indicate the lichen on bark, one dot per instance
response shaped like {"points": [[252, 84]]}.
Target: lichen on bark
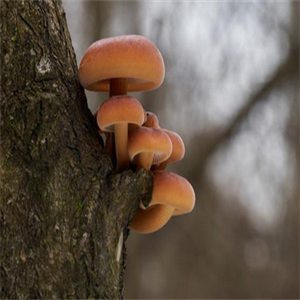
{"points": [[64, 211]]}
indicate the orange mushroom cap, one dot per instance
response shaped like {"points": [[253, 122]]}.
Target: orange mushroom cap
{"points": [[178, 146], [119, 109], [152, 219], [177, 152], [172, 195], [149, 140], [131, 56], [173, 190], [151, 120]]}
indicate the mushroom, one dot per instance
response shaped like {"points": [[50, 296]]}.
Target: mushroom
{"points": [[177, 152], [151, 120], [172, 195], [119, 65], [134, 126], [152, 219], [147, 146], [131, 62], [177, 143], [116, 113]]}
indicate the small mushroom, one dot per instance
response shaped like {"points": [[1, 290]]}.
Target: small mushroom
{"points": [[177, 152], [151, 120], [172, 195], [147, 146], [114, 115], [177, 143]]}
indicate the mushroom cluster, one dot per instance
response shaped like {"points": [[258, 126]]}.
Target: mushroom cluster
{"points": [[133, 137]]}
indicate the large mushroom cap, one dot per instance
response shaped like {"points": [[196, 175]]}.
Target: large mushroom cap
{"points": [[131, 56], [173, 190], [172, 195]]}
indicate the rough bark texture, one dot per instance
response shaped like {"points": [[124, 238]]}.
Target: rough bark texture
{"points": [[64, 213]]}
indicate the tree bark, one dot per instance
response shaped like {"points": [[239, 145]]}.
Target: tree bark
{"points": [[64, 212]]}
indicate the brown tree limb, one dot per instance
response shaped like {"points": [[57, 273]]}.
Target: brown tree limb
{"points": [[64, 212]]}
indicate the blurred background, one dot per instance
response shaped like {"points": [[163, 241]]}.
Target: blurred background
{"points": [[231, 92]]}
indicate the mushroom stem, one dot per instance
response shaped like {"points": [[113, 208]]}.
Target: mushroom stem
{"points": [[145, 160], [118, 86], [162, 166], [121, 141]]}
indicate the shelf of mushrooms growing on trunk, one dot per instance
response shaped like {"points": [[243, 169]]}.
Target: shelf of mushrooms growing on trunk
{"points": [[230, 92]]}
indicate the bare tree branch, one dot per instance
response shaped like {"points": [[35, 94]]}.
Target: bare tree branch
{"points": [[287, 72]]}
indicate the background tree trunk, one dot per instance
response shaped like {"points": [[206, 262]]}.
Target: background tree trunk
{"points": [[64, 213]]}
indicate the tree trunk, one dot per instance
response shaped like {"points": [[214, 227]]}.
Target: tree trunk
{"points": [[64, 212]]}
